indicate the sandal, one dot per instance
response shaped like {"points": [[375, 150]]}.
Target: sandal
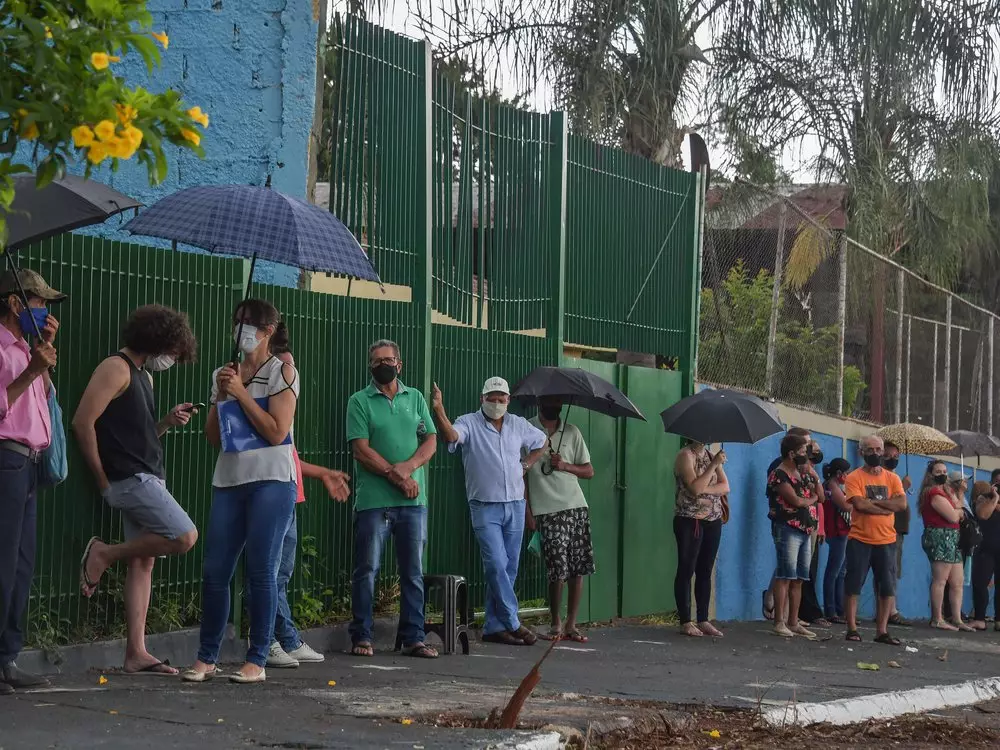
{"points": [[576, 636], [420, 651], [529, 638], [89, 587], [837, 620], [503, 637], [853, 635], [767, 611], [552, 635], [887, 639], [362, 648], [194, 675]]}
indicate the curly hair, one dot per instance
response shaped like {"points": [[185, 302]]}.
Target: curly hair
{"points": [[156, 329]]}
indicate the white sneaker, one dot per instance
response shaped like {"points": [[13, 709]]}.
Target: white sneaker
{"points": [[306, 655], [278, 659]]}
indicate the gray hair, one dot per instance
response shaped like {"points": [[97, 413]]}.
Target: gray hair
{"points": [[381, 344], [872, 441]]}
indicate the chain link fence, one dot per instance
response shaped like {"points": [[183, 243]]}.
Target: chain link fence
{"points": [[794, 310]]}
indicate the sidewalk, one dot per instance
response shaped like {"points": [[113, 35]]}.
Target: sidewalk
{"points": [[371, 697]]}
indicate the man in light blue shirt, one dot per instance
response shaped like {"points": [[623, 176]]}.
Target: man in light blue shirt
{"points": [[497, 450]]}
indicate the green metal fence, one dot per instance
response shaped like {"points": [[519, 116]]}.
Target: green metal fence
{"points": [[511, 234]]}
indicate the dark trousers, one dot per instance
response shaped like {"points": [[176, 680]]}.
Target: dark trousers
{"points": [[985, 566], [697, 547], [18, 477], [809, 608]]}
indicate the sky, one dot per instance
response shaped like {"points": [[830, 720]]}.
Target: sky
{"points": [[397, 17]]}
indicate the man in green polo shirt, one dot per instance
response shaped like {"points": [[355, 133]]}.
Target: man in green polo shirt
{"points": [[556, 505], [392, 436]]}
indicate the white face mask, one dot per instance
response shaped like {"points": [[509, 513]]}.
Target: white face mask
{"points": [[160, 362], [494, 410], [248, 339]]}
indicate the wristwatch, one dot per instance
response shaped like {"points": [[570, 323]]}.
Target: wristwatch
{"points": [[524, 466]]}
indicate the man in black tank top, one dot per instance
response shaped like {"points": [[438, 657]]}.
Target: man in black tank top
{"points": [[119, 435]]}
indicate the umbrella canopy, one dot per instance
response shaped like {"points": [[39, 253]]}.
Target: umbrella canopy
{"points": [[722, 416], [254, 222], [577, 388], [970, 443], [916, 438], [61, 206]]}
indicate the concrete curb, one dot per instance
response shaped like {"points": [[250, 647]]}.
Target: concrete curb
{"points": [[180, 648], [524, 741], [884, 705]]}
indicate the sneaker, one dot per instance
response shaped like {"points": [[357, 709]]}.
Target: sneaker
{"points": [[20, 680], [278, 659], [304, 654]]}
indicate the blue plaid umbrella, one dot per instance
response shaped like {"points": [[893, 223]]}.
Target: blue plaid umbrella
{"points": [[256, 222]]}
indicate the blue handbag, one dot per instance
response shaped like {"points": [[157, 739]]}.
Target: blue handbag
{"points": [[54, 467], [237, 432]]}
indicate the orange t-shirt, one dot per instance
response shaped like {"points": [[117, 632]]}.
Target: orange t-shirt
{"points": [[865, 527], [300, 493]]}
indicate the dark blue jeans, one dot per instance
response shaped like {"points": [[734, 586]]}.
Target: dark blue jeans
{"points": [[833, 576], [18, 477], [254, 516], [408, 526], [285, 632]]}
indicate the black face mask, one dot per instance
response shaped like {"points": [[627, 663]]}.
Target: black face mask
{"points": [[816, 458], [384, 374], [873, 460], [800, 460], [890, 463], [940, 478], [550, 413]]}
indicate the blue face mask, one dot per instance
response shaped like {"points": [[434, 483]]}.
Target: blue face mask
{"points": [[40, 314]]}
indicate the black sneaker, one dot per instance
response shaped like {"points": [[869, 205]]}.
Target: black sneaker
{"points": [[21, 680], [898, 620]]}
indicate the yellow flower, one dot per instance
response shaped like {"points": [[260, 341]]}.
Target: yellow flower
{"points": [[83, 136], [48, 33], [121, 148], [105, 130], [198, 116], [101, 60], [714, 734], [22, 113], [161, 37], [30, 133], [126, 113], [97, 153], [191, 136], [133, 135], [102, 680]]}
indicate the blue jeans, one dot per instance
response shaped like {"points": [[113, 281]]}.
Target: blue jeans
{"points": [[833, 576], [255, 516], [499, 528], [285, 632], [18, 511], [408, 526]]}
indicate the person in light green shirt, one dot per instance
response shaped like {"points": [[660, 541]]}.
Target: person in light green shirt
{"points": [[557, 507], [392, 437]]}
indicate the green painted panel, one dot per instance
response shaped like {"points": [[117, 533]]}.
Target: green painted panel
{"points": [[649, 559], [600, 433]]}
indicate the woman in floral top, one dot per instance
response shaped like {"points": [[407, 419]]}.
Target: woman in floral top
{"points": [[795, 493]]}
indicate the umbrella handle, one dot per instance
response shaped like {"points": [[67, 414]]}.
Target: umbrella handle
{"points": [[246, 295]]}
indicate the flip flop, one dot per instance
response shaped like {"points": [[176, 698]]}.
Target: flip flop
{"points": [[420, 651], [362, 648], [89, 587], [576, 636], [151, 670], [552, 635], [888, 640], [768, 612]]}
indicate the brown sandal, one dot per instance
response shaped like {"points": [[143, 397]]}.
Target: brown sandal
{"points": [[503, 637], [420, 651], [529, 638], [362, 648]]}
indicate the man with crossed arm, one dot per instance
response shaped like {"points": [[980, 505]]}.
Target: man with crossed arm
{"points": [[876, 495]]}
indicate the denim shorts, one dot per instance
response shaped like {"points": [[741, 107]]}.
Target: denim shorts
{"points": [[794, 549]]}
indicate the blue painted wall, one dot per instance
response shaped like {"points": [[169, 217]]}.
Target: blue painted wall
{"points": [[251, 65], [746, 557]]}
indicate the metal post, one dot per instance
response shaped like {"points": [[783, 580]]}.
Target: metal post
{"points": [[772, 334], [909, 363], [958, 384], [424, 282], [556, 323], [989, 382], [841, 321], [900, 304], [947, 366], [696, 281], [934, 414]]}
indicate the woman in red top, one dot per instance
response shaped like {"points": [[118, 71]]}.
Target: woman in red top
{"points": [[941, 503], [837, 519]]}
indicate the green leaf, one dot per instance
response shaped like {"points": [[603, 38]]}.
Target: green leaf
{"points": [[48, 170]]}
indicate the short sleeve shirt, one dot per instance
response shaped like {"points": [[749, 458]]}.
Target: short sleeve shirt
{"points": [[559, 490], [275, 463], [492, 458], [867, 527], [804, 486], [394, 428]]}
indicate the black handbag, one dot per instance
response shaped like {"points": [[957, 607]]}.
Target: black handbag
{"points": [[970, 536]]}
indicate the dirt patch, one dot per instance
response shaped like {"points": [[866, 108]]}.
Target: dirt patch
{"points": [[651, 726]]}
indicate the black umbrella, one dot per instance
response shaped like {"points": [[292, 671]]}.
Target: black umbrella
{"points": [[61, 206], [968, 443], [722, 416], [577, 388]]}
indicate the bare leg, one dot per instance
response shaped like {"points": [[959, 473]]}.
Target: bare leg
{"points": [[794, 601], [103, 556], [883, 610], [939, 579], [851, 610], [555, 606], [956, 581], [138, 583], [573, 605], [781, 607]]}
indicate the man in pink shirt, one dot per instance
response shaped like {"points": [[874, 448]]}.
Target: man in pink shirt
{"points": [[25, 431]]}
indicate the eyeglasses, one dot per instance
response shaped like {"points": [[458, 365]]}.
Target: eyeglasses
{"points": [[391, 361]]}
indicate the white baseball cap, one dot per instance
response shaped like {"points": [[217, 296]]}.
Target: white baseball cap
{"points": [[496, 385]]}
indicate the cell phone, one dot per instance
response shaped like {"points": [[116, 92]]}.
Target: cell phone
{"points": [[199, 407]]}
